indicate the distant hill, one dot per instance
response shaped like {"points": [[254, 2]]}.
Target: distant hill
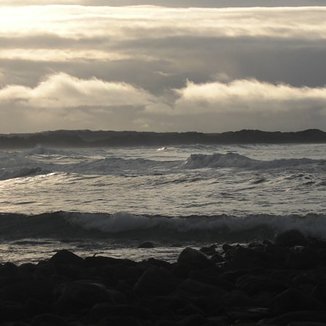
{"points": [[87, 138]]}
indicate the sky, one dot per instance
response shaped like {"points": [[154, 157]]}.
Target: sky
{"points": [[154, 65]]}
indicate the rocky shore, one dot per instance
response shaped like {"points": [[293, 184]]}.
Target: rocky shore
{"points": [[280, 282]]}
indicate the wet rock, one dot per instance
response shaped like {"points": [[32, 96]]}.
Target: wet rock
{"points": [[217, 258], [146, 245], [300, 257], [209, 251], [22, 290], [240, 257], [26, 271], [44, 271], [126, 271], [80, 295], [237, 298], [156, 281], [105, 310], [294, 300], [193, 320], [48, 320], [192, 259], [211, 276], [290, 238], [11, 311], [249, 315], [319, 292], [66, 257], [101, 261], [296, 316], [198, 288], [253, 284], [306, 323], [120, 321], [8, 273], [35, 307]]}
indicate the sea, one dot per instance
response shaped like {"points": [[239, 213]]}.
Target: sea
{"points": [[108, 201]]}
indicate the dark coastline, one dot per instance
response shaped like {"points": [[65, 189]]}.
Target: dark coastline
{"points": [[87, 138], [281, 282]]}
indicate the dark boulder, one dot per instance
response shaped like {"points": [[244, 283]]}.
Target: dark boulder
{"points": [[294, 300], [191, 259], [66, 257], [290, 238], [240, 257], [193, 287], [120, 321], [300, 257], [101, 261], [210, 250], [306, 323], [156, 281], [48, 320], [106, 310], [193, 320], [78, 295], [211, 276], [289, 318], [23, 290], [253, 284], [11, 311]]}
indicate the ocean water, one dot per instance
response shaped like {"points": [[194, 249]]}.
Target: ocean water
{"points": [[108, 200]]}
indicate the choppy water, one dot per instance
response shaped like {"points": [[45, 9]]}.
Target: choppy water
{"points": [[112, 199]]}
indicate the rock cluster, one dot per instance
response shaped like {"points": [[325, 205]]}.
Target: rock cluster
{"points": [[264, 283]]}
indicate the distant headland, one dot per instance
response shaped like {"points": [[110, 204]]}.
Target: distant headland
{"points": [[88, 138]]}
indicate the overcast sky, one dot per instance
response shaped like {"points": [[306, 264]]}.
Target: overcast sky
{"points": [[204, 65]]}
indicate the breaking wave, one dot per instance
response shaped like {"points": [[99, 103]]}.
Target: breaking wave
{"points": [[6, 174], [218, 228], [217, 160]]}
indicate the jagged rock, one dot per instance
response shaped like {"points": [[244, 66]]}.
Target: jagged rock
{"points": [[66, 257], [209, 251], [290, 238], [8, 270], [156, 281], [217, 258], [101, 261]]}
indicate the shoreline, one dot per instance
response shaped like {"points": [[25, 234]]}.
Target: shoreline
{"points": [[279, 282]]}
